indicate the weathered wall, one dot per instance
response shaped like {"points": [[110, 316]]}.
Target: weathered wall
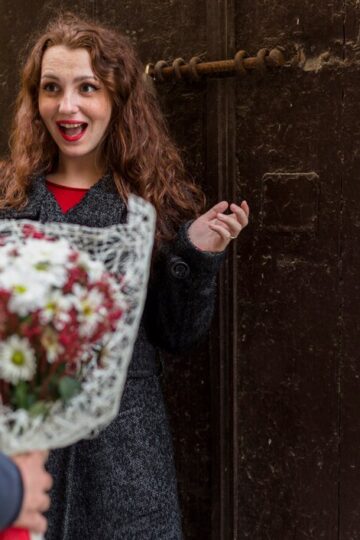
{"points": [[298, 385], [349, 322]]}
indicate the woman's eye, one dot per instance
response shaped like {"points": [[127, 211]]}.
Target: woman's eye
{"points": [[88, 88], [50, 87]]}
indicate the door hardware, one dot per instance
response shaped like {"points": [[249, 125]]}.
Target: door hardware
{"points": [[195, 69]]}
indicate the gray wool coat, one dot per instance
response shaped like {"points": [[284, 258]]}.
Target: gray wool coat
{"points": [[122, 484]]}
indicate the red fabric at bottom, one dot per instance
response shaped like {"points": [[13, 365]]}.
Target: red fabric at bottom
{"points": [[15, 534]]}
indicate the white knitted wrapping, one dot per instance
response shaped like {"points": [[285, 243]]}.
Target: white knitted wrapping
{"points": [[124, 249]]}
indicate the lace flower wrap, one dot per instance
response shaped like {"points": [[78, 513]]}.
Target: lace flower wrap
{"points": [[124, 249]]}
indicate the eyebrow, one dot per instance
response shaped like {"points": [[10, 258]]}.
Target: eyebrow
{"points": [[77, 79]]}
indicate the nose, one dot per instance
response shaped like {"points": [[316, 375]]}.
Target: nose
{"points": [[69, 103]]}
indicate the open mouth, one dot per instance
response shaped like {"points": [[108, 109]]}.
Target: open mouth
{"points": [[72, 131]]}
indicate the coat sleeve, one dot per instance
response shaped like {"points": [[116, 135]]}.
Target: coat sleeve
{"points": [[181, 294], [11, 491]]}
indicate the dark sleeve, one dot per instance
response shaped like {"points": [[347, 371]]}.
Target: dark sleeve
{"points": [[181, 294], [11, 491]]}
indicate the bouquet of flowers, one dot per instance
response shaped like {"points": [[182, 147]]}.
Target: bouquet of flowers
{"points": [[71, 299]]}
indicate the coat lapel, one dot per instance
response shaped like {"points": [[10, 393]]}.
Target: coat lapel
{"points": [[100, 207]]}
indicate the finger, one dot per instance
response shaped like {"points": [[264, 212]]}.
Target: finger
{"points": [[232, 223], [40, 502], [48, 482], [44, 503], [219, 207], [219, 223], [222, 231], [240, 215], [244, 206], [39, 524]]}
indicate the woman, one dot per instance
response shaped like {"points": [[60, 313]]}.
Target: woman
{"points": [[87, 132]]}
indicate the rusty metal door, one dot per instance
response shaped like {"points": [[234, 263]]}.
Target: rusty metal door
{"points": [[265, 415]]}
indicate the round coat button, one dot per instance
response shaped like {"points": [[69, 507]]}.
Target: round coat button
{"points": [[180, 269]]}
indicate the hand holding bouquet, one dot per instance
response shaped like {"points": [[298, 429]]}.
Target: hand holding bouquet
{"points": [[70, 304]]}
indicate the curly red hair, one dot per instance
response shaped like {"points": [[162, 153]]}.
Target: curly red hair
{"points": [[137, 149]]}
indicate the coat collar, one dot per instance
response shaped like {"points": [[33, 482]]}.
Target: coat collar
{"points": [[100, 207]]}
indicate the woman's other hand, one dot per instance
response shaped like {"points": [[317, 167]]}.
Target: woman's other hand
{"points": [[214, 230], [37, 482]]}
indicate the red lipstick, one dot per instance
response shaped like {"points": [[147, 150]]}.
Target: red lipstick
{"points": [[71, 130]]}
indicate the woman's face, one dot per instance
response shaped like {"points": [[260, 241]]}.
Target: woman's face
{"points": [[74, 104]]}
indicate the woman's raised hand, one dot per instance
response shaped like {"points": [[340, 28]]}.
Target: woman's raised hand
{"points": [[214, 230]]}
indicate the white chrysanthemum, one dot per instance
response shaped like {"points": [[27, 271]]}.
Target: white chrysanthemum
{"points": [[57, 307], [89, 305], [20, 273], [42, 251], [17, 360], [52, 275], [7, 254], [95, 269], [27, 294], [48, 261]]}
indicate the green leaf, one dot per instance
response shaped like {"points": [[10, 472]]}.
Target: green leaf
{"points": [[68, 388], [20, 395], [22, 398], [39, 409]]}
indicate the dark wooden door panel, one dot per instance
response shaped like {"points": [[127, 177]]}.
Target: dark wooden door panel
{"points": [[290, 167], [349, 374], [349, 321]]}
